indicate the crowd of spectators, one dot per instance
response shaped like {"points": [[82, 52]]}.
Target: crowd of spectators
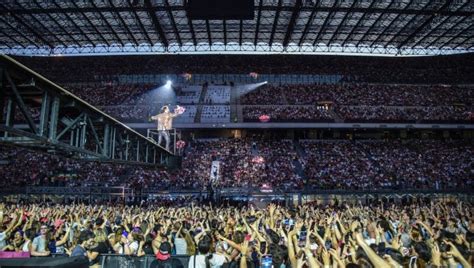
{"points": [[372, 95], [105, 95], [446, 114], [287, 114], [417, 233], [45, 169], [351, 103], [251, 163], [129, 113], [417, 164], [266, 94], [438, 69], [239, 168]]}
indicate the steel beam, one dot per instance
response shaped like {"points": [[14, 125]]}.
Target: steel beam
{"points": [[45, 141], [336, 32], [83, 130], [58, 24], [106, 147], [2, 96], [67, 104], [147, 8], [375, 22], [44, 115], [208, 28], [309, 23], [10, 116], [71, 125], [292, 23], [151, 12], [463, 42], [123, 22], [275, 22], [191, 29], [15, 42], [108, 24], [173, 23], [138, 151], [54, 35], [113, 143], [94, 133], [456, 36], [241, 32], [19, 101], [259, 14], [324, 24], [361, 19], [19, 20], [74, 23], [403, 28], [423, 25], [430, 31], [53, 119], [446, 31], [82, 12], [137, 18], [127, 147], [224, 32], [389, 25]]}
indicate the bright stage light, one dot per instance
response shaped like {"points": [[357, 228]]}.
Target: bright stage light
{"points": [[168, 83], [244, 89]]}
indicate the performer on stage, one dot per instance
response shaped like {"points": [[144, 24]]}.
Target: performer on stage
{"points": [[165, 122]]}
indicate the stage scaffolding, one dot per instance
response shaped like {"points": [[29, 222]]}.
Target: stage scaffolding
{"points": [[39, 114]]}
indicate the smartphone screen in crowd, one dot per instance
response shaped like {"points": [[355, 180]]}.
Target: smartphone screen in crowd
{"points": [[266, 261], [263, 246]]}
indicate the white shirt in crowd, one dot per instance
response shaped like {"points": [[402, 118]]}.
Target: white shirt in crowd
{"points": [[215, 262], [3, 237], [133, 247], [181, 246]]}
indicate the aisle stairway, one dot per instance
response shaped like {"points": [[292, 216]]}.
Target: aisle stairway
{"points": [[197, 118], [234, 104], [298, 167], [254, 149], [299, 149], [337, 118]]}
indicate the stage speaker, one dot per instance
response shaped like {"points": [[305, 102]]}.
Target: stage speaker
{"points": [[57, 262], [220, 9]]}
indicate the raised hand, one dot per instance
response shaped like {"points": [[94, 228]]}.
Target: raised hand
{"points": [[326, 257], [435, 254]]}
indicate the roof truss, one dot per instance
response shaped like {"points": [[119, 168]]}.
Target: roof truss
{"points": [[305, 26]]}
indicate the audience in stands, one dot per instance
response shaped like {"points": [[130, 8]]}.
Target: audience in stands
{"points": [[350, 102], [410, 164], [438, 69], [287, 114], [358, 95], [252, 163], [439, 114]]}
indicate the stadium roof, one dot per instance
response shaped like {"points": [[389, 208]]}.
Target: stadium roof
{"points": [[377, 27]]}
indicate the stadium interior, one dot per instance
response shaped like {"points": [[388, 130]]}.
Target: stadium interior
{"points": [[256, 133]]}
